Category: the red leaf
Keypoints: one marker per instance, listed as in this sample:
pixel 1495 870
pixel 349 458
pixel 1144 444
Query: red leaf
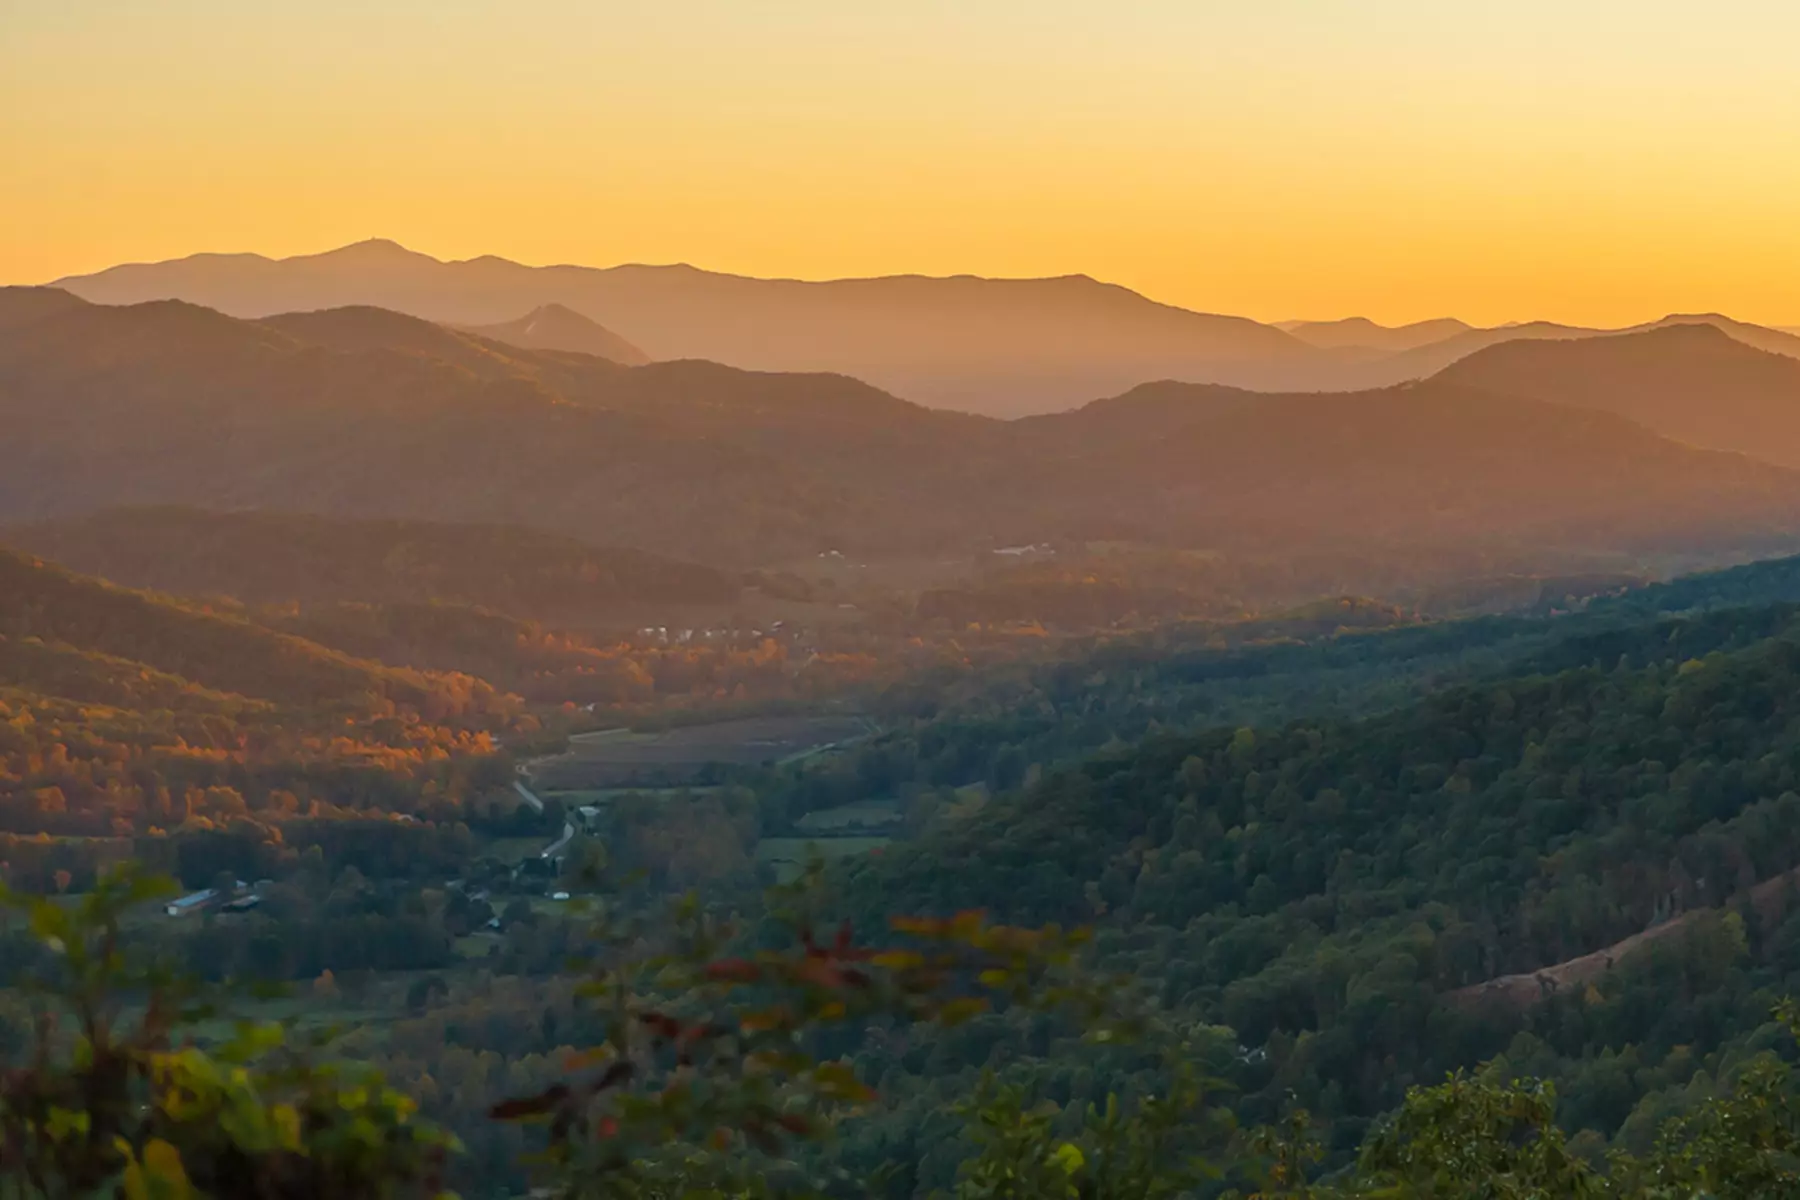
pixel 530 1106
pixel 665 1026
pixel 733 970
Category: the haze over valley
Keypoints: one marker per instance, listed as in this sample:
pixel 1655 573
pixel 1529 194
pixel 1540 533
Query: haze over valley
pixel 998 347
pixel 899 602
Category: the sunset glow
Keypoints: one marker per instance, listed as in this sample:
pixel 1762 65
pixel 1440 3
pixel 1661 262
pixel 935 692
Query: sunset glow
pixel 1600 163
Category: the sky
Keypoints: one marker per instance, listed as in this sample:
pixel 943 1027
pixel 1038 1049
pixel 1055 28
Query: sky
pixel 1590 161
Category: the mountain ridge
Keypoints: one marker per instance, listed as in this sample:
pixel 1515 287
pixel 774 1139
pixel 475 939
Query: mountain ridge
pixel 365 413
pixel 276 558
pixel 999 346
pixel 1693 382
pixel 992 346
pixel 558 327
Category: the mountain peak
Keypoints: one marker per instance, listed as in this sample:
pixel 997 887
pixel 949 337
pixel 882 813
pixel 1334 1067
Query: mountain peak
pixel 556 326
pixel 1362 333
pixel 372 250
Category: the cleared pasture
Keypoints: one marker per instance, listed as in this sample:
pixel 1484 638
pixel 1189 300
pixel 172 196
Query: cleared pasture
pixel 789 856
pixel 863 814
pixel 614 759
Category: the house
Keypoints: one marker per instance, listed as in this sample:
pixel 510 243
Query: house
pixel 192 903
pixel 239 898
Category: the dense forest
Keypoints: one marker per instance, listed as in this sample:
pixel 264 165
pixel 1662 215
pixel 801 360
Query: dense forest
pixel 1330 887
pixel 1337 852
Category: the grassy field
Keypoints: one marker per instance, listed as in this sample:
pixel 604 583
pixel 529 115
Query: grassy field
pixel 863 814
pixel 621 758
pixel 789 855
pixel 576 797
pixel 517 849
pixel 308 1010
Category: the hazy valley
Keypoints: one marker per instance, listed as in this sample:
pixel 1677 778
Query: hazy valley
pixel 1385 700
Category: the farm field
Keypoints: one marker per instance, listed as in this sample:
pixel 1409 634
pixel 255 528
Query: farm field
pixel 863 814
pixel 576 797
pixel 623 758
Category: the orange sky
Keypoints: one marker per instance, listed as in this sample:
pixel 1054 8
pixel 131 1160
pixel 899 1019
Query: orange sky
pixel 1582 160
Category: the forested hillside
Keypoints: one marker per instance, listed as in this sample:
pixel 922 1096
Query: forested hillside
pixel 128 716
pixel 1310 837
pixel 1328 886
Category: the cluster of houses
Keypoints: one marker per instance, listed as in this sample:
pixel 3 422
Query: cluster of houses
pixel 663 635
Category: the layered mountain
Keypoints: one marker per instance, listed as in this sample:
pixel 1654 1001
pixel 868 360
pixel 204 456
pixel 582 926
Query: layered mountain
pixel 1694 383
pixel 369 414
pixel 1430 358
pixel 554 327
pixel 372 414
pixel 1429 464
pixel 272 558
pixel 997 346
pixel 1001 347
pixel 1362 334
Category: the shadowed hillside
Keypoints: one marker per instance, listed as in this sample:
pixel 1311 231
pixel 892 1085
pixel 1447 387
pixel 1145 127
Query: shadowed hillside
pixel 1693 383
pixel 1422 464
pixel 554 327
pixel 279 557
pixel 364 413
pixel 378 415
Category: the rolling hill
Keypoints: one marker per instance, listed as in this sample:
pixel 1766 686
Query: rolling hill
pixel 1360 333
pixel 367 414
pixel 1429 359
pixel 1694 383
pixel 554 327
pixel 83 639
pixel 1432 464
pixel 357 414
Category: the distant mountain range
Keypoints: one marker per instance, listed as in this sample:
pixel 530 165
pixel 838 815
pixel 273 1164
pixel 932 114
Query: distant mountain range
pixel 996 346
pixel 371 414
pixel 1360 333
pixel 999 347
